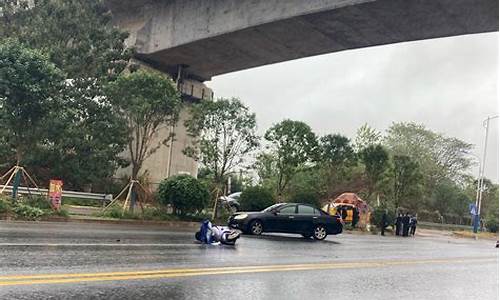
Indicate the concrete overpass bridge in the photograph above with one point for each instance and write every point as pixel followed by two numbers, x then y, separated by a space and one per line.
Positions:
pixel 213 37
pixel 194 40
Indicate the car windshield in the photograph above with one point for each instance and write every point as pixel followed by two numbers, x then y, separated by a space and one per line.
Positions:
pixel 272 207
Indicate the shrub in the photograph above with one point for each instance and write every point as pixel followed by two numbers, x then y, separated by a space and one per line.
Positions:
pixel 255 198
pixel 81 202
pixel 450 218
pixel 4 206
pixel 429 216
pixel 185 193
pixel 309 197
pixel 492 223
pixel 38 202
pixel 62 213
pixel 27 212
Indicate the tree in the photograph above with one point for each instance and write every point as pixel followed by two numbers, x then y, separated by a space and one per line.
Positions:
pixel 306 196
pixel 406 179
pixel 307 186
pixel 376 161
pixel 439 156
pixel 185 193
pixel 78 36
pixel 336 151
pixel 224 133
pixel 30 87
pixel 255 198
pixel 336 157
pixel 292 145
pixel 86 137
pixel 366 136
pixel 448 198
pixel 147 100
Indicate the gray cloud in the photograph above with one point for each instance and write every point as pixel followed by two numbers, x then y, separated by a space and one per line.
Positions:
pixel 448 84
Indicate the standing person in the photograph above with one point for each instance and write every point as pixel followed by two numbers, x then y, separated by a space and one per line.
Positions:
pixel 355 217
pixel 413 225
pixel 399 224
pixel 383 222
pixel 344 213
pixel 406 224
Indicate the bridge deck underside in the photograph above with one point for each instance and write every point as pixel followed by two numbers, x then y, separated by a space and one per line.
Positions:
pixel 351 27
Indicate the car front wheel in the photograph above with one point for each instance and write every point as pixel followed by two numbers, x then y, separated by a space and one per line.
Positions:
pixel 319 232
pixel 256 227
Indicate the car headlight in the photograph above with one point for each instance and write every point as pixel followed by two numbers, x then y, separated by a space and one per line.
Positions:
pixel 241 217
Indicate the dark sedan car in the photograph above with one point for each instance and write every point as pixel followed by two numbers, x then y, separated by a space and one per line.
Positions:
pixel 298 218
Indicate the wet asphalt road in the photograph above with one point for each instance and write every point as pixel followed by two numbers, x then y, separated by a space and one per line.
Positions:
pixel 347 266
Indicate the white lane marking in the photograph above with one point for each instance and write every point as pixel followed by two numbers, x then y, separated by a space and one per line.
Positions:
pixel 94 245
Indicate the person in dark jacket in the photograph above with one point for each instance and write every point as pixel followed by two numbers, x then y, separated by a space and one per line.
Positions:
pixel 399 224
pixel 413 225
pixel 355 217
pixel 406 224
pixel 344 213
pixel 383 222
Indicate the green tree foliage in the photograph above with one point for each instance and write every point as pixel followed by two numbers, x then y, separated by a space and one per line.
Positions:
pixel 307 186
pixel 306 196
pixel 146 100
pixel 492 217
pixel 336 151
pixel 366 136
pixel 29 92
pixel 238 182
pixel 224 133
pixel 255 198
pixel 439 157
pixel 185 193
pixel 336 158
pixel 86 137
pixel 378 212
pixel 78 36
pixel 376 161
pixel 448 198
pixel 406 181
pixel 292 145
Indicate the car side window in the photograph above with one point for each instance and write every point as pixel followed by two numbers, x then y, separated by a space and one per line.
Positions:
pixel 307 210
pixel 317 212
pixel 288 210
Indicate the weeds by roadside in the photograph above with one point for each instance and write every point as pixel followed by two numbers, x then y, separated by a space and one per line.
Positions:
pixel 31 209
pixel 150 213
pixel 479 235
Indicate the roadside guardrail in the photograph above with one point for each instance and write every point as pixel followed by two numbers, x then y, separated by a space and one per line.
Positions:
pixel 73 194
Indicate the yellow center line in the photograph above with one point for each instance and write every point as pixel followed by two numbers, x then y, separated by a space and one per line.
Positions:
pixel 172 273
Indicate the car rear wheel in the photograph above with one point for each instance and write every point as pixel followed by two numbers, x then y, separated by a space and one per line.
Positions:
pixel 256 227
pixel 319 232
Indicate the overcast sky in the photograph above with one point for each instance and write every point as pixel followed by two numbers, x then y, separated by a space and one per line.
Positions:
pixel 448 84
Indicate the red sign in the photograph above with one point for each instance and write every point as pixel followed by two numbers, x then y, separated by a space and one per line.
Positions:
pixel 55 193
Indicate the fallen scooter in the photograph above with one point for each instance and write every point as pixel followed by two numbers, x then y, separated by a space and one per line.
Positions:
pixel 212 234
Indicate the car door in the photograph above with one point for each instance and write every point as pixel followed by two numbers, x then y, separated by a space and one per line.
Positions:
pixel 281 221
pixel 305 219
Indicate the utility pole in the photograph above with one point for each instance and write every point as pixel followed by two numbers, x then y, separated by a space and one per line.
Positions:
pixel 486 125
pixel 474 221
